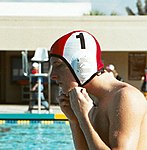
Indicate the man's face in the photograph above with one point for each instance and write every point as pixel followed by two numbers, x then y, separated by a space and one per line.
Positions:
pixel 62 75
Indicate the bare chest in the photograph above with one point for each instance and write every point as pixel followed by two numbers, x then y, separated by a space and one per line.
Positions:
pixel 143 134
pixel 100 122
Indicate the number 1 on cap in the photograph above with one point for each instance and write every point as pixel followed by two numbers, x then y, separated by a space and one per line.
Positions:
pixel 82 40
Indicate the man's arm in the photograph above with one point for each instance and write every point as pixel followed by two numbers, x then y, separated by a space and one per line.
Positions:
pixel 34 87
pixel 78 137
pixel 77 134
pixel 93 139
pixel 125 115
pixel 82 104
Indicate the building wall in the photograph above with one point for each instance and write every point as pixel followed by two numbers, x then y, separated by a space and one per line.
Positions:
pixel 115 33
pixel 48 8
pixel 11 91
pixel 117 36
pixel 121 63
pixel 3 65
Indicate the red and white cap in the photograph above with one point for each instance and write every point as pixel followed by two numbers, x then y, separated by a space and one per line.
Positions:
pixel 82 53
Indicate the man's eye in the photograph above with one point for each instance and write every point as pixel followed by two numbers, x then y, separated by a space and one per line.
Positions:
pixel 58 66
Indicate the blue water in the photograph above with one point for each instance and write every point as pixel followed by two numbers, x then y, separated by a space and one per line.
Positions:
pixel 36 137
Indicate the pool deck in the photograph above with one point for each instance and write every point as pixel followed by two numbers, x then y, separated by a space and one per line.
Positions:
pixel 19 114
pixel 20 109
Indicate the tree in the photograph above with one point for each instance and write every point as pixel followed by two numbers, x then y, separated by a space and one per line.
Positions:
pixel 95 13
pixel 98 13
pixel 141 10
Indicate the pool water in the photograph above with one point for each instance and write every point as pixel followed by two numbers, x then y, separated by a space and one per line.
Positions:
pixel 36 137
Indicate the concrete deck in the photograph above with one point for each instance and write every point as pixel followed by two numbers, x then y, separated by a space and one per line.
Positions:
pixel 8 109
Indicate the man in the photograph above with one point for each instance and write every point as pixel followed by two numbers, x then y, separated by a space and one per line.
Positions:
pixel 34 89
pixel 111 69
pixel 144 83
pixel 116 118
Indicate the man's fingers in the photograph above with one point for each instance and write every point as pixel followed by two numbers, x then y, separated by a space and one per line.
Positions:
pixel 63 100
pixel 78 91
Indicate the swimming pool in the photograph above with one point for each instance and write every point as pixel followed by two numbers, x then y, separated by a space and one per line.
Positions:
pixel 36 136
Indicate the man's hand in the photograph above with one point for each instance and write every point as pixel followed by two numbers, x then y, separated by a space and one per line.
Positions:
pixel 80 102
pixel 66 108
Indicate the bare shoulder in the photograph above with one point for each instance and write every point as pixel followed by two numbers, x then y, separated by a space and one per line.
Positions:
pixel 131 95
pixel 130 100
pixel 127 109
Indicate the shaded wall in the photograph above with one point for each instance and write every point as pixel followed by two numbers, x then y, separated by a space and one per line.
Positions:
pixel 117 36
pixel 11 91
pixel 121 63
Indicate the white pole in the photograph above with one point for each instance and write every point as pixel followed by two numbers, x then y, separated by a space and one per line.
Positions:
pixel 39 90
pixel 49 86
pixel 49 91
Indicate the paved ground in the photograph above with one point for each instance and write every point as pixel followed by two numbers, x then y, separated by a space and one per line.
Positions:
pixel 23 109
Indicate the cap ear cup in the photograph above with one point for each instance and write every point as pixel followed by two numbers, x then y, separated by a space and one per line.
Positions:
pixel 81 51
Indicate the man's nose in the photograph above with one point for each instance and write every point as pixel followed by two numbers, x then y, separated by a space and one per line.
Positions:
pixel 53 75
